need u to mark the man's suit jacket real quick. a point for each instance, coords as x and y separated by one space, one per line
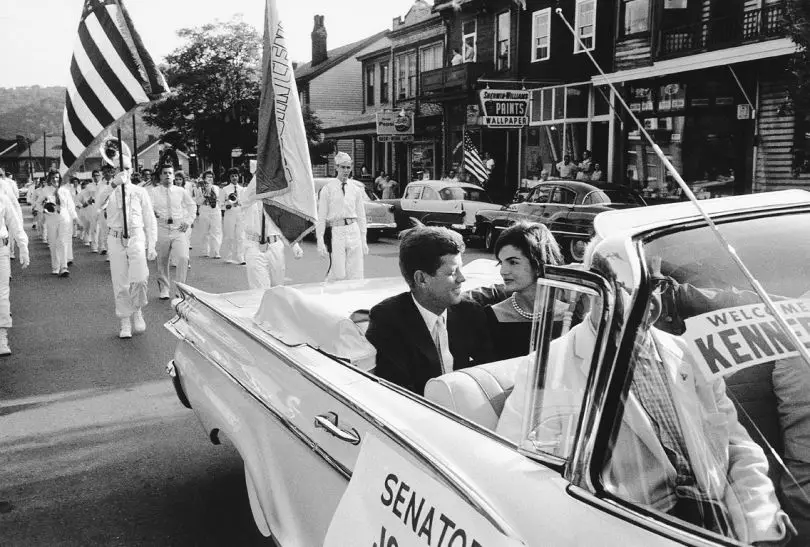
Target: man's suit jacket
728 465
406 354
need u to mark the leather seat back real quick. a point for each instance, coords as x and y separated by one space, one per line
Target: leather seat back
477 393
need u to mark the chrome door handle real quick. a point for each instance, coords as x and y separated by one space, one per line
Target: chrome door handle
329 422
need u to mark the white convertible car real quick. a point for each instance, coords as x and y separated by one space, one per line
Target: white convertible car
336 456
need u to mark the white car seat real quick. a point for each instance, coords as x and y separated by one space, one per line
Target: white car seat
477 393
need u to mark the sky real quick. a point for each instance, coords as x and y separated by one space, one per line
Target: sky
37 36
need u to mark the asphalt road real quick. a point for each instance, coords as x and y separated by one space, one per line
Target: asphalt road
95 449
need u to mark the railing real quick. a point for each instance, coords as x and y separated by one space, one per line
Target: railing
451 78
751 26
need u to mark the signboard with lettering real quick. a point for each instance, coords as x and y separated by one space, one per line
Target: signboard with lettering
395 123
505 107
394 138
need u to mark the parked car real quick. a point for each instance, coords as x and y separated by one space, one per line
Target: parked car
567 207
379 216
441 203
288 377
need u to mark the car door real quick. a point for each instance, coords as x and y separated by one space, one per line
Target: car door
438 210
556 212
532 209
411 201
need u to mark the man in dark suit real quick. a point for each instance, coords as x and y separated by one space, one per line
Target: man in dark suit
430 330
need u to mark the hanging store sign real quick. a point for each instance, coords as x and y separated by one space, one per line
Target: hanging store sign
505 107
394 138
398 123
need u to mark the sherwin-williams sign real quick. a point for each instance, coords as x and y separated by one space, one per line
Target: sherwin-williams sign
505 107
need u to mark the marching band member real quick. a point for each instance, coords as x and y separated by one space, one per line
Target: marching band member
341 210
87 209
264 245
175 211
104 188
210 221
12 191
180 179
11 227
230 200
45 195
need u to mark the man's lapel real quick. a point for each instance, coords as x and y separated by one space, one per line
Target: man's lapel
422 340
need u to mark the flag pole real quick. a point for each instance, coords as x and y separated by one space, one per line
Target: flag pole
123 194
134 146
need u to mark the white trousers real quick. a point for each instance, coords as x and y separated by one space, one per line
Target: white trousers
210 224
60 240
129 272
347 253
265 269
5 291
172 248
233 234
101 232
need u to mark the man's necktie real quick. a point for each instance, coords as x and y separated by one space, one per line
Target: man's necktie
263 237
169 204
445 357
343 188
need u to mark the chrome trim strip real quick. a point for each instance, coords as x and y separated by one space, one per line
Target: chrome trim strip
446 475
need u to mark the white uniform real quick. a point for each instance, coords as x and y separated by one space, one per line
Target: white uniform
12 191
59 226
85 210
210 221
232 223
45 194
128 267
10 228
340 206
173 207
99 222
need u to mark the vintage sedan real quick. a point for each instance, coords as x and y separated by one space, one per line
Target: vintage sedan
567 207
557 447
379 216
442 203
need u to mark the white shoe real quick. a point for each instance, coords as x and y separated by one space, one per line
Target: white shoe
164 293
138 324
4 349
126 328
229 261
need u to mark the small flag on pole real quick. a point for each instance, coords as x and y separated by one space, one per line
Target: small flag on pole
472 161
111 74
283 169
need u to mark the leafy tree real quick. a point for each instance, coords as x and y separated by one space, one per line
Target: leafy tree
319 149
797 17
215 78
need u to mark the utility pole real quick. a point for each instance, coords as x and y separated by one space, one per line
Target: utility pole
44 154
30 158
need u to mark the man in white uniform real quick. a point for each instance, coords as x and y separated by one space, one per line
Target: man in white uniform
10 228
175 211
230 201
12 191
341 211
210 221
86 205
264 246
129 249
103 187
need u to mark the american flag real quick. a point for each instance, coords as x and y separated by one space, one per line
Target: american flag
473 162
111 74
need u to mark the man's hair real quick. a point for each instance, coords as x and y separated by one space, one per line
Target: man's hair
535 241
422 248
94 171
165 166
179 173
206 173
233 171
108 166
74 179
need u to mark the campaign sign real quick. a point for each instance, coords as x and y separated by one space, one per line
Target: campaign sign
505 107
392 503
725 341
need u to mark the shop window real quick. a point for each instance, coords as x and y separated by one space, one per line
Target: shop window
502 41
541 35
406 75
635 16
548 104
370 85
585 25
468 41
559 103
577 97
802 151
384 83
430 57
601 100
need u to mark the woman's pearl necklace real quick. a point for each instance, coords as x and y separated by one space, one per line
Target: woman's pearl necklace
523 313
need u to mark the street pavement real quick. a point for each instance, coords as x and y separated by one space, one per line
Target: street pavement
95 449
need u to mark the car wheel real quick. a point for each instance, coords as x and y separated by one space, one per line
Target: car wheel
576 249
489 238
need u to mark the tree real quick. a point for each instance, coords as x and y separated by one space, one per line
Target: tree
215 79
797 17
319 149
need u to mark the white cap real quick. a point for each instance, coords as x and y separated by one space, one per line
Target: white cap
342 157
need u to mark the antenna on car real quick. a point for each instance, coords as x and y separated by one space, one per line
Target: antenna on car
803 351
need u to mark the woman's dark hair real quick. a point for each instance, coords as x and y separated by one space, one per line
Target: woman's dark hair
53 173
535 241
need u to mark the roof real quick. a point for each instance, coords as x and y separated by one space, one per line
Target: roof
53 142
445 184
151 142
306 72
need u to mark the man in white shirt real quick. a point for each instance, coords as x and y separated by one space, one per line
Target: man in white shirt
12 191
86 204
210 221
130 245
174 211
342 213
103 187
230 200
264 244
10 228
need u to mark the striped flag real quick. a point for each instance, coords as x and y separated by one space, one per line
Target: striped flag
283 169
473 162
111 74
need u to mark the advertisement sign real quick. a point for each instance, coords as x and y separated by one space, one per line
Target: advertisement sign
394 123
392 503
394 138
505 107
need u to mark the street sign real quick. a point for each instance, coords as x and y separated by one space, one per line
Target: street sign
394 123
743 112
236 152
394 138
505 107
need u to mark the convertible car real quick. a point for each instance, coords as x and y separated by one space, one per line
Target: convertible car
567 445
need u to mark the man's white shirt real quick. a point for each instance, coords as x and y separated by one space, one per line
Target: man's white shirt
183 208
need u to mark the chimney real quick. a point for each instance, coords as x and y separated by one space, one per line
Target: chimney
318 41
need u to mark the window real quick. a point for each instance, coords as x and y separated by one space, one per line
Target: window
636 17
430 194
412 192
541 35
370 85
585 25
430 57
563 196
468 38
502 40
406 75
383 83
539 195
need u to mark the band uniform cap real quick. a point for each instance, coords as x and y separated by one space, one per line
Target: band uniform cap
342 157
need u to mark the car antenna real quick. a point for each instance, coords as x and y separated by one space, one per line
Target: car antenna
803 351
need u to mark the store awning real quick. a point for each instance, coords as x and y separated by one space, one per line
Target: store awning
721 57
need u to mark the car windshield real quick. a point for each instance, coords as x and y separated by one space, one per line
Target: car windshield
621 195
462 193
